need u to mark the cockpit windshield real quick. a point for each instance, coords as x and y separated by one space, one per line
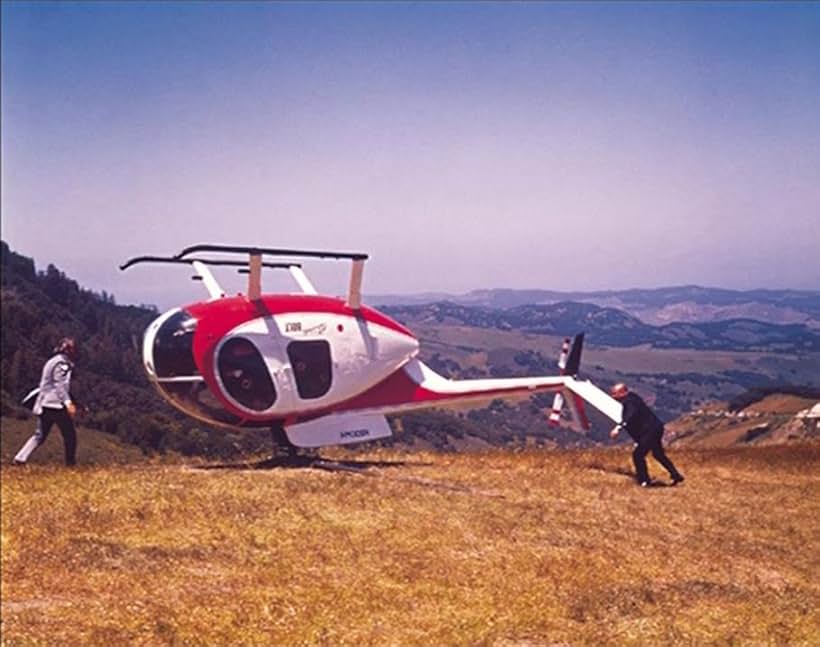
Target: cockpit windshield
173 346
177 375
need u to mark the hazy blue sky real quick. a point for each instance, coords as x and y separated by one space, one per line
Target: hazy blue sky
553 145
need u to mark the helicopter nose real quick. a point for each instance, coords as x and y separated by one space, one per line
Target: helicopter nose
394 346
406 345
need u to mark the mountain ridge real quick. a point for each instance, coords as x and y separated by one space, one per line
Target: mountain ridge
654 306
614 327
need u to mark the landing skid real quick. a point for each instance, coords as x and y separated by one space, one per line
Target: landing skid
284 449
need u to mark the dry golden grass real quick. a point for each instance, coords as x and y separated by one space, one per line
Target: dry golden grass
532 548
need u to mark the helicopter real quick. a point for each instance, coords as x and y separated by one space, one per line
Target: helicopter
316 370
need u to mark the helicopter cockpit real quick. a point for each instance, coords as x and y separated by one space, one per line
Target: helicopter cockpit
169 359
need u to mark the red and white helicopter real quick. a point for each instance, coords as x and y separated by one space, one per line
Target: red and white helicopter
317 370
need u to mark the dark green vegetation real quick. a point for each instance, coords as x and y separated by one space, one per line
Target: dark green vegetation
671 367
40 307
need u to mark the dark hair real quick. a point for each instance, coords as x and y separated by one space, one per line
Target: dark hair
66 345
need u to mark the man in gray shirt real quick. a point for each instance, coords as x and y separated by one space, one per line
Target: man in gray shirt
54 404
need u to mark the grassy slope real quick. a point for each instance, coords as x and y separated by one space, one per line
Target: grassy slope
502 548
93 447
716 427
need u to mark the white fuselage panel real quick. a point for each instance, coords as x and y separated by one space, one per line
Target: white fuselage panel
362 354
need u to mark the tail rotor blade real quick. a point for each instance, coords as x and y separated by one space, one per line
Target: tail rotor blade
557 405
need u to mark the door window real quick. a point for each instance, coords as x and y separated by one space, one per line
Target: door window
311 367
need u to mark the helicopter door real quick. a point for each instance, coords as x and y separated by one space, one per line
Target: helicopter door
245 376
251 367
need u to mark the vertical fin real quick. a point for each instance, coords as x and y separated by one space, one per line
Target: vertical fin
574 360
557 405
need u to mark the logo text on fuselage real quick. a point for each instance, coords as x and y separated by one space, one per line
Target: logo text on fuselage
355 433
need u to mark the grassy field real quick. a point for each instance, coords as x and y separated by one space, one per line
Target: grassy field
530 548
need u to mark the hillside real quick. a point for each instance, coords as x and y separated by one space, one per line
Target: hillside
775 419
387 548
95 447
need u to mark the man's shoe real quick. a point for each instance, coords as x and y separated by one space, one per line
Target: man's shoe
677 479
18 462
644 483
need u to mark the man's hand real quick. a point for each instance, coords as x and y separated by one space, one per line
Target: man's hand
71 408
614 433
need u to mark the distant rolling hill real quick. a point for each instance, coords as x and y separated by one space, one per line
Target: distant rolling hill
658 306
613 327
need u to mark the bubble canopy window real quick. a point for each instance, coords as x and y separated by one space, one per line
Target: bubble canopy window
173 346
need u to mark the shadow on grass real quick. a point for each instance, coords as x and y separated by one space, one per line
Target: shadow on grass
659 484
611 470
622 471
310 462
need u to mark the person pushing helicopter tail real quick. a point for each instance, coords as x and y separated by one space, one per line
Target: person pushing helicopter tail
646 429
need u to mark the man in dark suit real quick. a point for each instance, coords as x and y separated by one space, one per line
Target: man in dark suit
646 430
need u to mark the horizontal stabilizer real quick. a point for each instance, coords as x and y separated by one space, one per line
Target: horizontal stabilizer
338 429
599 399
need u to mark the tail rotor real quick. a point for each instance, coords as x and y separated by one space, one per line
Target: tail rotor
569 363
558 400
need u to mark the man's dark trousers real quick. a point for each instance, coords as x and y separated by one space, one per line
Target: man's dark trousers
651 442
66 425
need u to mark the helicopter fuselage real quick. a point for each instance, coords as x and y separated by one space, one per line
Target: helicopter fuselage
241 362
